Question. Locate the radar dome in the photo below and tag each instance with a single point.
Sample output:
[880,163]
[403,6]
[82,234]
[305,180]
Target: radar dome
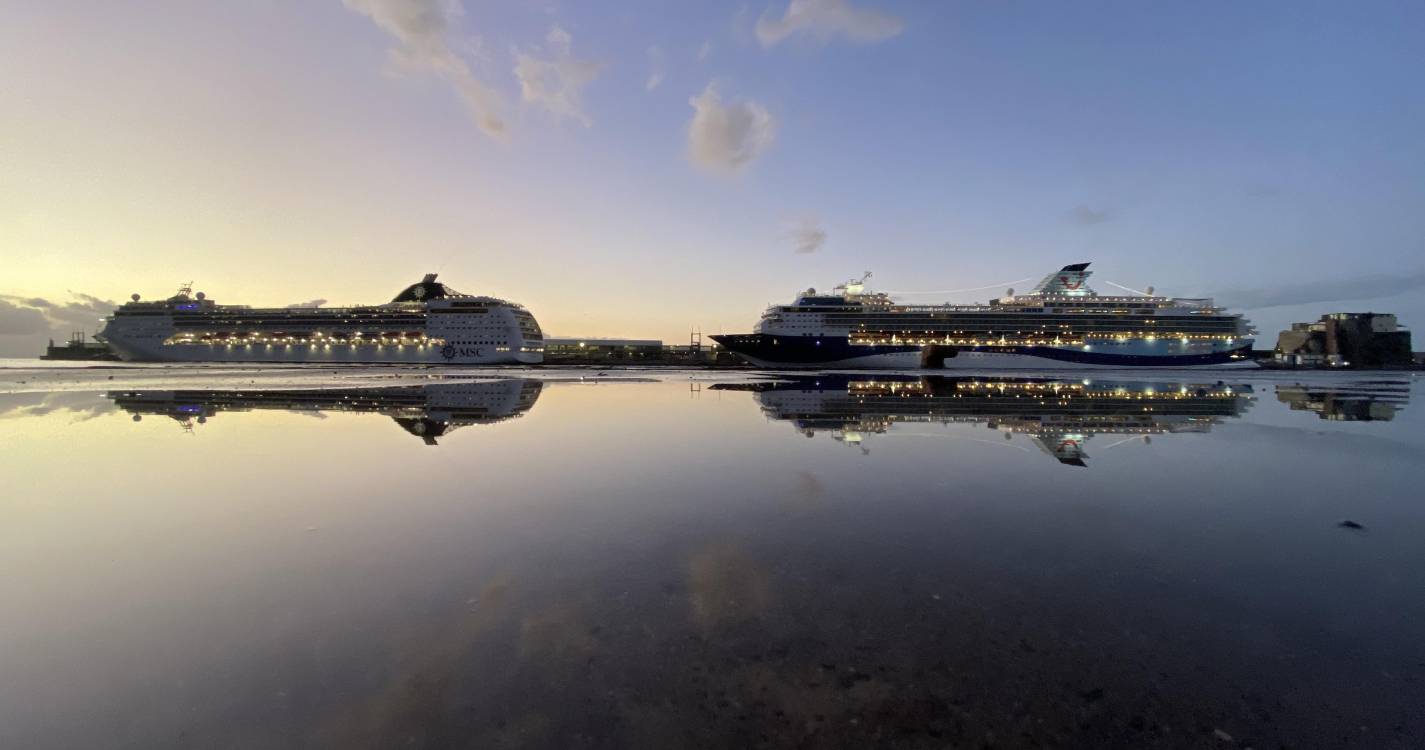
[200,295]
[134,296]
[1149,290]
[1009,292]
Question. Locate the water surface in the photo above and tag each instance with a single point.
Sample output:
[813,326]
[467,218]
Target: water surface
[576,559]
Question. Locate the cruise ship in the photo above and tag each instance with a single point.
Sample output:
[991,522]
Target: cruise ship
[1061,323]
[429,412]
[1058,415]
[427,323]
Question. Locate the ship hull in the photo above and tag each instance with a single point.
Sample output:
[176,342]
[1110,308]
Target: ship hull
[803,352]
[320,354]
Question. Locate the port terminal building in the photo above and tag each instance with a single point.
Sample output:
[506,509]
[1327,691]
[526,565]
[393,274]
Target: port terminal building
[601,350]
[579,351]
[1346,340]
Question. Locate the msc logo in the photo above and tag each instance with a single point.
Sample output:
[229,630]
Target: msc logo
[1075,284]
[451,351]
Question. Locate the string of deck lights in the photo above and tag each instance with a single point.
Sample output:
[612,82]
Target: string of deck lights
[866,339]
[312,339]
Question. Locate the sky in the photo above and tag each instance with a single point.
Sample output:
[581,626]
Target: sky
[641,169]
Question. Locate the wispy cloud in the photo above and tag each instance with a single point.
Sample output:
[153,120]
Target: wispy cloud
[555,83]
[655,68]
[726,137]
[1085,216]
[828,19]
[806,234]
[1333,290]
[423,29]
[705,50]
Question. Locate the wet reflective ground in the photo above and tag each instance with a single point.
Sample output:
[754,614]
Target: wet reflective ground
[570,560]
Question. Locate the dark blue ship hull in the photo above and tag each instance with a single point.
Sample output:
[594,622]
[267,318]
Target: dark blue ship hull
[769,350]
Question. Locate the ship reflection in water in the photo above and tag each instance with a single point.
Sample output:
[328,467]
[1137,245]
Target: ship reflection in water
[426,411]
[668,563]
[1059,416]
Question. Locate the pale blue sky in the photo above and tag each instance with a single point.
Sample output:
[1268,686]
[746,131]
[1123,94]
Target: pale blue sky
[278,152]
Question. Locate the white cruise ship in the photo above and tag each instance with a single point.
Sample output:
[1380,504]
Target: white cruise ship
[427,323]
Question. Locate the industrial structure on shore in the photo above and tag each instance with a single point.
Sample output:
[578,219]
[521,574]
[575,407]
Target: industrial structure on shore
[1360,340]
[649,352]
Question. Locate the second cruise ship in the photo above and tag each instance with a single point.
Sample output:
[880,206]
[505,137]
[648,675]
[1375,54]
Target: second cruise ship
[428,322]
[1060,323]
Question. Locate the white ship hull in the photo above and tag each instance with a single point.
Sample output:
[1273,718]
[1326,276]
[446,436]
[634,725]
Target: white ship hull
[324,354]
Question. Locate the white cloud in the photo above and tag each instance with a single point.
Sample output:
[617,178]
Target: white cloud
[705,50]
[807,235]
[727,137]
[825,19]
[559,40]
[555,83]
[423,27]
[655,64]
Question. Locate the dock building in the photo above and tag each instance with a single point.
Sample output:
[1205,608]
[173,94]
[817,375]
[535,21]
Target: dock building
[1346,340]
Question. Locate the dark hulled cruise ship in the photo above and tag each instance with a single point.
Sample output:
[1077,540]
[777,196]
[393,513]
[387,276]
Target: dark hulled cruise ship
[1061,323]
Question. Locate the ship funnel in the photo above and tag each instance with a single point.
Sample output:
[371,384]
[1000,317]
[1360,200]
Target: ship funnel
[430,277]
[1069,281]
